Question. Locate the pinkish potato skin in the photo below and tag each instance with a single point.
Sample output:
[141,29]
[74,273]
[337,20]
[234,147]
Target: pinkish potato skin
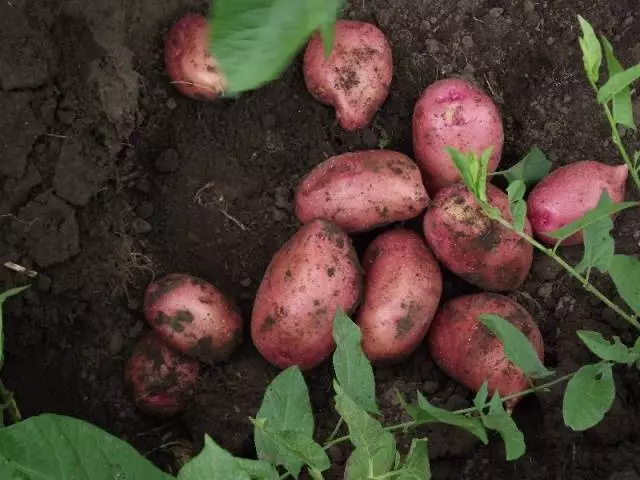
[567,193]
[474,247]
[362,190]
[357,76]
[312,275]
[193,317]
[192,69]
[160,379]
[454,113]
[469,353]
[403,285]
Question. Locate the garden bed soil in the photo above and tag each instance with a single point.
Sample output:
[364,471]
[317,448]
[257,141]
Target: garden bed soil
[109,177]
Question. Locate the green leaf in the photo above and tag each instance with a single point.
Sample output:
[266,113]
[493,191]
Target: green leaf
[480,400]
[617,83]
[300,445]
[604,209]
[530,170]
[213,463]
[257,469]
[481,179]
[622,107]
[613,352]
[424,413]
[517,205]
[328,32]
[352,368]
[625,273]
[285,407]
[589,396]
[12,292]
[599,245]
[466,164]
[54,447]
[255,40]
[416,466]
[499,420]
[375,448]
[591,51]
[517,347]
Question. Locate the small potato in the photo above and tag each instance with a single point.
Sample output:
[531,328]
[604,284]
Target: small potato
[313,274]
[454,113]
[356,78]
[569,192]
[403,285]
[193,71]
[362,190]
[193,317]
[470,353]
[471,245]
[160,379]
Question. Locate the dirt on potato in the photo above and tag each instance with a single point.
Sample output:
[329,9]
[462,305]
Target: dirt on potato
[110,178]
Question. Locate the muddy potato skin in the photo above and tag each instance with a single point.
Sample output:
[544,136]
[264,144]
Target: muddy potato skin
[158,378]
[469,353]
[312,274]
[469,244]
[193,316]
[361,190]
[403,286]
[454,113]
[357,76]
[567,193]
[192,69]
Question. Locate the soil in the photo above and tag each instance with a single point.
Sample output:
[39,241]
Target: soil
[109,177]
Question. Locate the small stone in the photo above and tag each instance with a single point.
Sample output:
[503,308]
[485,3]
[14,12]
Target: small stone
[430,387]
[116,343]
[546,268]
[425,25]
[545,290]
[433,46]
[566,99]
[140,226]
[136,329]
[467,41]
[455,402]
[144,185]
[551,41]
[628,21]
[496,12]
[433,20]
[566,304]
[529,6]
[168,161]
[245,282]
[144,210]
[281,195]
[171,103]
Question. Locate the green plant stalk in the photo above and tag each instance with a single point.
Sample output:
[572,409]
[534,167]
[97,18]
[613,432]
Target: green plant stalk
[8,404]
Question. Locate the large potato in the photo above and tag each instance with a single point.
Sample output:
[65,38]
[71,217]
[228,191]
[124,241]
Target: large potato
[362,190]
[470,353]
[313,274]
[403,286]
[471,245]
[454,113]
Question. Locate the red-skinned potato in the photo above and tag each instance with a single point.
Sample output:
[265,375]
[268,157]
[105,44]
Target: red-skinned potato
[314,272]
[454,113]
[193,316]
[193,70]
[567,193]
[356,78]
[403,285]
[361,190]
[159,379]
[471,245]
[470,353]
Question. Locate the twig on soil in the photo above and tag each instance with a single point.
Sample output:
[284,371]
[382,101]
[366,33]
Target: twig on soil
[20,269]
[197,198]
[55,135]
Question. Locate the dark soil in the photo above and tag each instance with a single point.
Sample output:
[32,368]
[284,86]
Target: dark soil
[109,177]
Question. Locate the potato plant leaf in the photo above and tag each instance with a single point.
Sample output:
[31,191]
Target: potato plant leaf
[213,463]
[517,205]
[618,83]
[480,399]
[464,163]
[517,347]
[599,246]
[258,469]
[416,466]
[591,51]
[4,296]
[499,420]
[625,273]
[285,407]
[613,352]
[352,369]
[622,107]
[530,170]
[589,396]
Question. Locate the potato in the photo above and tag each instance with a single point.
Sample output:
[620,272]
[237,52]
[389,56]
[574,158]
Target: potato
[403,285]
[158,378]
[567,193]
[194,317]
[454,113]
[474,247]
[356,78]
[362,190]
[314,272]
[470,353]
[192,68]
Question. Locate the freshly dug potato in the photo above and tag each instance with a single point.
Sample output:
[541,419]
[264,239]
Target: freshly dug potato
[362,190]
[403,285]
[567,193]
[193,70]
[193,316]
[356,78]
[160,379]
[474,247]
[313,274]
[470,353]
[454,113]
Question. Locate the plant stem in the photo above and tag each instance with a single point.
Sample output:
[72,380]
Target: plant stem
[335,430]
[9,404]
